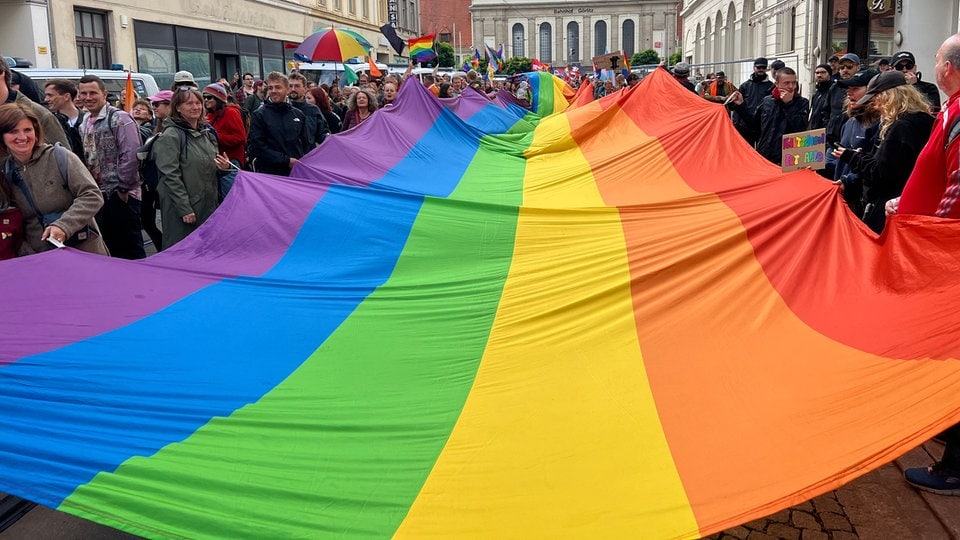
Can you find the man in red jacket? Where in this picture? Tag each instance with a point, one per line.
(933, 189)
(227, 121)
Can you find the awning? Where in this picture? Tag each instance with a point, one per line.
(772, 11)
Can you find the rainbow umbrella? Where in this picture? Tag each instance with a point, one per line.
(334, 44)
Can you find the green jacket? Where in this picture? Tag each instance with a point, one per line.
(188, 177)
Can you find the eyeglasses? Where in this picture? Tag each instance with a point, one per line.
(208, 96)
(904, 66)
(820, 72)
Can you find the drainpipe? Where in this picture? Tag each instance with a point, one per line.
(52, 50)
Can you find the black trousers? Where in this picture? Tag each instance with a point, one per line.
(149, 205)
(951, 454)
(120, 226)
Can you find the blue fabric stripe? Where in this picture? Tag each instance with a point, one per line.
(222, 347)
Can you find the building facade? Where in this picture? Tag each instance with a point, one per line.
(450, 20)
(210, 38)
(562, 33)
(728, 34)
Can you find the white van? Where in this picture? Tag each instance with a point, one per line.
(324, 72)
(115, 80)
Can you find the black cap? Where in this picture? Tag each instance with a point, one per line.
(826, 67)
(721, 74)
(833, 58)
(902, 56)
(860, 78)
(777, 65)
(882, 82)
(760, 62)
(883, 62)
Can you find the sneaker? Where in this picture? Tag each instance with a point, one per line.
(935, 479)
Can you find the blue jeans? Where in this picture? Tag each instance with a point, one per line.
(226, 181)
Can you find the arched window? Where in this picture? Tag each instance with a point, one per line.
(573, 42)
(546, 40)
(628, 48)
(600, 38)
(518, 40)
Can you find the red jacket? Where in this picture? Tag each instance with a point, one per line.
(933, 188)
(230, 131)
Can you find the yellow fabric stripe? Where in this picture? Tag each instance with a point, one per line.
(532, 454)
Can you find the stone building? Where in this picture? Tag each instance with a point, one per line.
(450, 20)
(728, 34)
(210, 38)
(562, 32)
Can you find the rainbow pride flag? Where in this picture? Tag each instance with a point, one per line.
(421, 48)
(587, 319)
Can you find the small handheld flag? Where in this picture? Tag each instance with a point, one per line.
(421, 48)
(349, 75)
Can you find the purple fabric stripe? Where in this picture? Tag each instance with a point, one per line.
(86, 295)
(468, 104)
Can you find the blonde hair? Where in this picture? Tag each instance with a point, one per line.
(897, 102)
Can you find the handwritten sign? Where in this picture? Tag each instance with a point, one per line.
(612, 61)
(805, 150)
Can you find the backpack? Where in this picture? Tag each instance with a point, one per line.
(148, 164)
(73, 133)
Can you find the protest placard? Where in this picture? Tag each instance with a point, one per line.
(805, 150)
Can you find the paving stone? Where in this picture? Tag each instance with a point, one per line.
(757, 535)
(813, 534)
(835, 522)
(804, 520)
(758, 524)
(740, 533)
(784, 531)
(827, 503)
(806, 506)
(844, 535)
(782, 516)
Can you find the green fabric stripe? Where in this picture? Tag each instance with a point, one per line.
(356, 430)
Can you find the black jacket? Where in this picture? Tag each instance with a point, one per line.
(837, 117)
(278, 132)
(316, 123)
(929, 91)
(885, 169)
(753, 92)
(774, 119)
(820, 105)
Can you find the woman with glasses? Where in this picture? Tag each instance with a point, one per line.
(51, 187)
(188, 164)
(905, 62)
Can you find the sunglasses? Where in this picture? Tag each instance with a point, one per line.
(187, 89)
(208, 96)
(904, 66)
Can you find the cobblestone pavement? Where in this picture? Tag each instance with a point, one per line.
(822, 518)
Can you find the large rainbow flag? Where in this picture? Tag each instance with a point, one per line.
(465, 318)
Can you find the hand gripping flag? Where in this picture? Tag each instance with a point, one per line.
(475, 61)
(421, 48)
